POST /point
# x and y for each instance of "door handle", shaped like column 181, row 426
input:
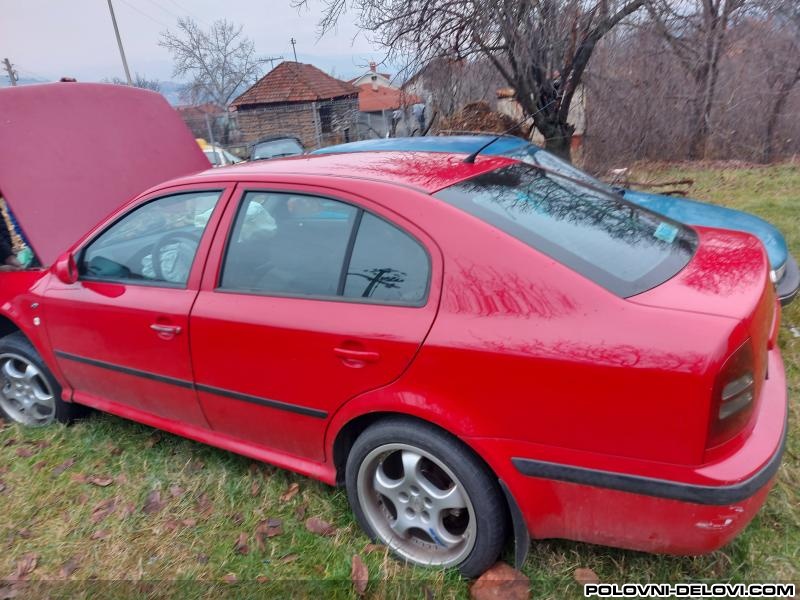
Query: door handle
column 356, row 356
column 165, row 330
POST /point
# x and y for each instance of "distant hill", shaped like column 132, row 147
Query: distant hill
column 171, row 90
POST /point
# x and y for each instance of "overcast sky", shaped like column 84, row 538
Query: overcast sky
column 48, row 39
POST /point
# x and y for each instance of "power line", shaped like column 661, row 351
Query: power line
column 144, row 14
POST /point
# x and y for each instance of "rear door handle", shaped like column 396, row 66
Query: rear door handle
column 165, row 330
column 361, row 356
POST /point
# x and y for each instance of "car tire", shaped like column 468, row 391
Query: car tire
column 449, row 512
column 29, row 394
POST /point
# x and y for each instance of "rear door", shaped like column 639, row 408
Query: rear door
column 315, row 297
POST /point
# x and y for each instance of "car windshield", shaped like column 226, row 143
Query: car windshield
column 620, row 246
column 542, row 158
column 275, row 148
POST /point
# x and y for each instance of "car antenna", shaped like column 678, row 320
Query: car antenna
column 471, row 158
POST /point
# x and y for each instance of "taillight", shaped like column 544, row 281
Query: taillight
column 734, row 395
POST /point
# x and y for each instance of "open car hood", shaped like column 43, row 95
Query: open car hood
column 72, row 153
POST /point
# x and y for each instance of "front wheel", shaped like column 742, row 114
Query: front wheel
column 426, row 496
column 29, row 394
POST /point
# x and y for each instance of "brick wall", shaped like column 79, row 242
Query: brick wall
column 299, row 120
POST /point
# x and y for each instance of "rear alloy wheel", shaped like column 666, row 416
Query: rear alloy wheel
column 29, row 394
column 426, row 496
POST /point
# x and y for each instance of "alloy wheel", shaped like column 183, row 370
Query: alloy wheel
column 416, row 505
column 26, row 396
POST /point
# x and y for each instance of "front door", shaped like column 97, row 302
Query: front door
column 316, row 300
column 120, row 333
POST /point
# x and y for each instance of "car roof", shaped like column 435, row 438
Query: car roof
column 502, row 144
column 425, row 171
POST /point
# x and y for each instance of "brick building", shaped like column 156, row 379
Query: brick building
column 299, row 100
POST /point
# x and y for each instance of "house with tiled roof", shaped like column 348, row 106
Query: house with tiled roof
column 300, row 100
column 372, row 77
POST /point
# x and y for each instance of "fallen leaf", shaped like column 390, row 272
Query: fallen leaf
column 100, row 534
column 288, row 558
column 42, row 443
column 237, row 518
column 152, row 440
column 9, row 442
column 63, row 466
column 114, row 450
column 300, row 511
column 40, row 465
column 103, row 509
column 241, row 544
column 24, row 452
column 262, row 579
column 83, row 499
column 189, row 522
column 26, row 564
column 99, row 480
column 584, row 576
column 359, row 575
column 267, row 529
column 204, row 506
column 2, row 485
column 253, row 468
column 24, row 533
column 255, row 488
column 121, row 479
column 501, row 582
column 79, row 478
column 195, row 467
column 320, row 527
column 203, row 559
column 170, row 525
column 127, row 510
column 230, row 578
column 153, row 503
column 373, row 548
column 176, row 491
column 290, row 492
column 68, row 568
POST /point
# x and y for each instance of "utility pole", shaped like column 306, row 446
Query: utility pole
column 12, row 74
column 119, row 43
column 292, row 42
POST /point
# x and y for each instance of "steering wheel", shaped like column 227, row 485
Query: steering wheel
column 168, row 239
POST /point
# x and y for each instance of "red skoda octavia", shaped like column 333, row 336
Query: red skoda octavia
column 477, row 349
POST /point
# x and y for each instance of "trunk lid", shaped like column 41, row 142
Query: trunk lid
column 71, row 153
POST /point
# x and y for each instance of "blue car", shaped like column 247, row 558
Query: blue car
column 785, row 272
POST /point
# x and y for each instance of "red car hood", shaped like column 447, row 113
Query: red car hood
column 727, row 276
column 71, row 153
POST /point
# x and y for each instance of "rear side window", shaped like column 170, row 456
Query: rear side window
column 386, row 264
column 618, row 245
column 301, row 245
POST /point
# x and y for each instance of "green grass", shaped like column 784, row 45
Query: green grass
column 51, row 514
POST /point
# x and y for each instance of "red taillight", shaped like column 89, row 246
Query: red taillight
column 734, row 395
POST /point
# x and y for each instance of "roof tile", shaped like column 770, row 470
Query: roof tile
column 294, row 82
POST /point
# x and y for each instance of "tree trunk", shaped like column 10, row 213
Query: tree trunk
column 774, row 114
column 560, row 145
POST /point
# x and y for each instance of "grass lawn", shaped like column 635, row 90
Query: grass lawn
column 111, row 500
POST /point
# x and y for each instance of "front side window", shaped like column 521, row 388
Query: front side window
column 301, row 245
column 154, row 243
column 618, row 245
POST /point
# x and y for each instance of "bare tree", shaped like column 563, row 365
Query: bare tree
column 221, row 62
column 540, row 47
column 783, row 72
column 139, row 81
column 697, row 31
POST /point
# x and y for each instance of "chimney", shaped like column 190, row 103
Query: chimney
column 372, row 66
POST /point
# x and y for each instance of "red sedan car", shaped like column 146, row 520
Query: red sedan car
column 474, row 347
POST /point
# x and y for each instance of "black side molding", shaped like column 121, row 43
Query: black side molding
column 277, row 404
column 660, row 488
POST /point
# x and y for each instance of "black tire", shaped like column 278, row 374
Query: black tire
column 480, row 485
column 17, row 344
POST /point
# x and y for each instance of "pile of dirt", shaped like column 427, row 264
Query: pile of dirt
column 479, row 117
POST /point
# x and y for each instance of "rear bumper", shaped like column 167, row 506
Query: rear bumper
column 691, row 511
column 789, row 284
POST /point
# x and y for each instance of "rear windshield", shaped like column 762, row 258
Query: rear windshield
column 620, row 246
column 276, row 149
